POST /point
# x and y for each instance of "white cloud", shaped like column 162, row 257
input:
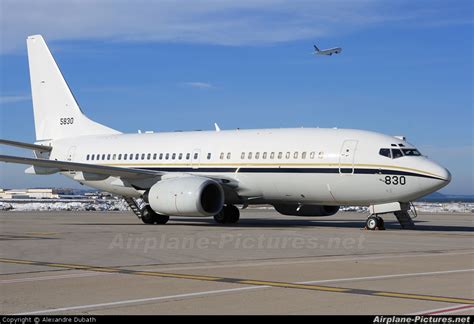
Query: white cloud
column 223, row 22
column 13, row 99
column 199, row 85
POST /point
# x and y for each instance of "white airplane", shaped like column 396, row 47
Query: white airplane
column 299, row 171
column 329, row 51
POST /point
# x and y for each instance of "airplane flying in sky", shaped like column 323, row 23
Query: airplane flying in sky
column 299, row 171
column 329, row 51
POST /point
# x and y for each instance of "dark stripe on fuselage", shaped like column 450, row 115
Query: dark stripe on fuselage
column 292, row 170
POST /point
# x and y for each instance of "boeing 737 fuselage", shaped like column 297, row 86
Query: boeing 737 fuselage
column 300, row 171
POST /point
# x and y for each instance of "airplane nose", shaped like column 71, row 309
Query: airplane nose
column 446, row 175
column 443, row 174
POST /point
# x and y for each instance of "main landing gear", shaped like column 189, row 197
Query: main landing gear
column 228, row 215
column 150, row 217
column 144, row 212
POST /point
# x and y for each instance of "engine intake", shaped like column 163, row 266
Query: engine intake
column 186, row 196
column 306, row 210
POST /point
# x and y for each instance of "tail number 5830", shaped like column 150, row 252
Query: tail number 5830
column 66, row 121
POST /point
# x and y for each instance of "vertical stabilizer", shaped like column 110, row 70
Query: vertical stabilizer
column 57, row 114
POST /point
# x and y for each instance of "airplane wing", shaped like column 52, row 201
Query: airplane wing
column 42, row 148
column 63, row 166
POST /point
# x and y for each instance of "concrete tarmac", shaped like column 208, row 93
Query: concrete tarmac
column 111, row 263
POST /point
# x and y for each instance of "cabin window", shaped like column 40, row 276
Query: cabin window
column 295, row 155
column 196, row 155
column 108, row 157
column 103, row 156
column 125, row 156
column 272, row 155
column 161, row 156
column 250, row 156
column 154, row 156
column 87, row 157
column 173, row 156
column 114, row 156
column 396, row 153
column 280, row 155
column 137, row 156
column 257, row 155
column 188, row 156
column 120, row 156
column 180, row 156
column 264, row 155
column 287, row 155
column 312, row 154
column 148, row 156
column 242, row 155
column 208, row 156
column 303, row 155
column 222, row 156
column 92, row 157
column 228, row 156
column 167, row 156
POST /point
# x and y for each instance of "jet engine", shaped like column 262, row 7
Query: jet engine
column 186, row 196
column 306, row 210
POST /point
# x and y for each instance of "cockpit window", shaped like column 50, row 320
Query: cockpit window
column 396, row 153
column 385, row 152
column 411, row 152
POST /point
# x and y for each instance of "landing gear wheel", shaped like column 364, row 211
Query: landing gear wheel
column 228, row 215
column 150, row 217
column 374, row 223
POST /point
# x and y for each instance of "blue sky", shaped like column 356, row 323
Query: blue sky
column 406, row 69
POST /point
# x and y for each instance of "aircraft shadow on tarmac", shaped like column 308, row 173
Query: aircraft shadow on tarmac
column 290, row 223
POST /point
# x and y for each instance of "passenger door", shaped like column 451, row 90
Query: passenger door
column 346, row 157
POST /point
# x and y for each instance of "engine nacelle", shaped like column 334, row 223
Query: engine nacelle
column 306, row 210
column 186, row 196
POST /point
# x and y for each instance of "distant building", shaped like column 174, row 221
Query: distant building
column 46, row 193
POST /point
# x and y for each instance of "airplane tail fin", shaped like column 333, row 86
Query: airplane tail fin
column 316, row 48
column 56, row 112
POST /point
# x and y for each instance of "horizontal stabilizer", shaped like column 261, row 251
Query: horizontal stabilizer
column 35, row 147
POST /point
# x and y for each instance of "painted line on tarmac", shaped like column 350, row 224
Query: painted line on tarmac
column 445, row 310
column 319, row 260
column 64, row 276
column 92, row 274
column 249, row 282
column 134, row 301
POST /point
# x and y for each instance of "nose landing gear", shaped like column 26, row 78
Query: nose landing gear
column 374, row 222
column 402, row 211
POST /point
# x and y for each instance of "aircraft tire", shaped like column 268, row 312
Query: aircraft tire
column 228, row 215
column 150, row 217
column 372, row 223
